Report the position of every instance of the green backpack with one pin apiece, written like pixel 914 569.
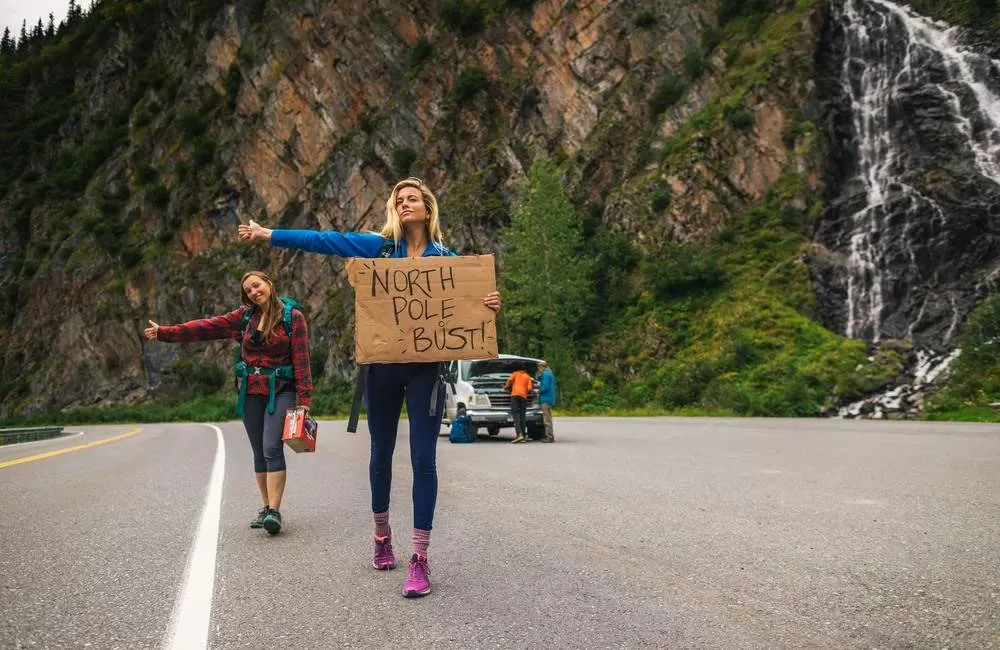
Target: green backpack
pixel 242 370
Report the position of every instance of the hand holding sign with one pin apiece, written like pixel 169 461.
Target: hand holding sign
pixel 424 309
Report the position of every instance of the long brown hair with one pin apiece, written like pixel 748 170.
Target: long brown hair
pixel 271 312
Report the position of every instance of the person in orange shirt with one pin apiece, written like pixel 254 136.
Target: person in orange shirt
pixel 519 384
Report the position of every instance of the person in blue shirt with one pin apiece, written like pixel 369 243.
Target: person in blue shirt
pixel 546 398
pixel 412 229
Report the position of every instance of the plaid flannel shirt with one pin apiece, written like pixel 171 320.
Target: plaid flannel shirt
pixel 281 351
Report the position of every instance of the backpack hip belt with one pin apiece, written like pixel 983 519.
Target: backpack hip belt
pixel 243 372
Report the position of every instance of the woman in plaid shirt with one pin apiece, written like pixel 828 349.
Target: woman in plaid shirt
pixel 411 229
pixel 278 377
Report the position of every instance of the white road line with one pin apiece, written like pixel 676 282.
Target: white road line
pixel 193 609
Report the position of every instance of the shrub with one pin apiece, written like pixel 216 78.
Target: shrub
pixel 233 83
pixel 667 94
pixel 693 64
pixel 402 161
pixel 470 83
pixel 422 51
pixel 740 117
pixel 159 196
pixel 467 18
pixel 732 9
pixel 679 271
pixel 192 124
pixel 644 18
pixel 204 151
pixel 659 199
pixel 532 98
pixel 146 174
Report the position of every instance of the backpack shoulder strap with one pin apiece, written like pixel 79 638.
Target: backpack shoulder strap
pixel 388 248
pixel 288 304
pixel 245 320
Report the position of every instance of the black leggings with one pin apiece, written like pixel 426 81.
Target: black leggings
pixel 264 430
pixel 518 407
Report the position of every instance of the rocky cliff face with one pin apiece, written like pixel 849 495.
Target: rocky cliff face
pixel 331 103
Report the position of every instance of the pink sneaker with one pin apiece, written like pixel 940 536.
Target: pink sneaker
pixel 383 559
pixel 418 580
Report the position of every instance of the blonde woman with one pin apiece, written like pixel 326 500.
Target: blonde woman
pixel 411 229
pixel 273 371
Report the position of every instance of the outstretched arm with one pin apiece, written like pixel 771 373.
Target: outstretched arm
pixel 327 242
pixel 226 326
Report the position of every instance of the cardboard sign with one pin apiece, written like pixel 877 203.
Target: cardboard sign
pixel 423 309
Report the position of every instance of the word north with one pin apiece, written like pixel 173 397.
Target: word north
pixel 412 282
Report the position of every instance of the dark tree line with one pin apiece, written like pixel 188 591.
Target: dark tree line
pixel 16 47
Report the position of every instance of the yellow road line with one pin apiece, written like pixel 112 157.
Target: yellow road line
pixel 49 454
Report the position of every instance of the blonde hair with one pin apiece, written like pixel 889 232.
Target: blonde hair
pixel 272 310
pixel 393 228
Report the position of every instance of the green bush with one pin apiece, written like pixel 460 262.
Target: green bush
pixel 670 90
pixel 739 117
pixel 197 378
pixel 422 51
pixel 471 82
pixel 192 124
pixel 659 199
pixel 204 151
pixel 232 84
pixel 402 161
pixel 975 377
pixel 644 18
pixel 732 9
pixel 468 18
pixel 532 98
pixel 146 174
pixel 693 64
pixel 159 196
pixel 679 271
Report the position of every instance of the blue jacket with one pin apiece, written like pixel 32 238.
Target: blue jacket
pixel 345 244
pixel 547 388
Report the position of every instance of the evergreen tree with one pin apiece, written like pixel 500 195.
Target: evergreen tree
pixel 50 31
pixel 23 43
pixel 547 275
pixel 6 43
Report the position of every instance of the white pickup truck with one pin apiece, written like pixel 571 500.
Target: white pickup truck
pixel 479 393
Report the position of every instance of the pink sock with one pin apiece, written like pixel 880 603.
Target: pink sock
pixel 421 540
pixel 382 530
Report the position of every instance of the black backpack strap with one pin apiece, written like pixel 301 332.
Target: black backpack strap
pixel 359 393
pixel 443 378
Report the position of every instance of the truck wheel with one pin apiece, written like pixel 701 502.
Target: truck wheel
pixel 536 431
pixel 493 430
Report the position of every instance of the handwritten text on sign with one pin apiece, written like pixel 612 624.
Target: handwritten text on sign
pixel 423 309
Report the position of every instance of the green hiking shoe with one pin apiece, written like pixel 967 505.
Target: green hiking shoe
pixel 272 521
pixel 258 521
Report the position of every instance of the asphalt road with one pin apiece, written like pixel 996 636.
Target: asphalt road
pixel 677 533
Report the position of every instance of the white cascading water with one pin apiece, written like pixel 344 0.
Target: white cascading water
pixel 875 68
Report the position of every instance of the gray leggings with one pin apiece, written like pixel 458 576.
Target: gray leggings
pixel 264 430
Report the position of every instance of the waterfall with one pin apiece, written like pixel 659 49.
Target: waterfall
pixel 924 110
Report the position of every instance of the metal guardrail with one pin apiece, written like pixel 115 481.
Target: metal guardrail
pixel 26 434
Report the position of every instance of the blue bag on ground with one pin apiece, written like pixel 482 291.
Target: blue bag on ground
pixel 460 430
